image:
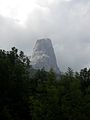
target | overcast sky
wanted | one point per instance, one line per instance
(65, 22)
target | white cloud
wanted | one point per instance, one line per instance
(17, 9)
(67, 23)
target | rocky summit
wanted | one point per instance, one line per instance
(43, 56)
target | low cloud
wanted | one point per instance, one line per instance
(66, 22)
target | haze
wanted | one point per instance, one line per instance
(65, 22)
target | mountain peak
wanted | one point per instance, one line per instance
(43, 56)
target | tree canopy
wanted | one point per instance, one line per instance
(41, 96)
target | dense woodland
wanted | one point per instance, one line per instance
(41, 96)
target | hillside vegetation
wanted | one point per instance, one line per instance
(41, 97)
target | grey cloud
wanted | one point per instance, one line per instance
(66, 23)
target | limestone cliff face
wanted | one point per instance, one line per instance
(43, 56)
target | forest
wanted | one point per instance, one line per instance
(40, 96)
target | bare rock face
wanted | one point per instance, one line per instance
(43, 56)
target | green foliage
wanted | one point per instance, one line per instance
(13, 86)
(63, 99)
(41, 96)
